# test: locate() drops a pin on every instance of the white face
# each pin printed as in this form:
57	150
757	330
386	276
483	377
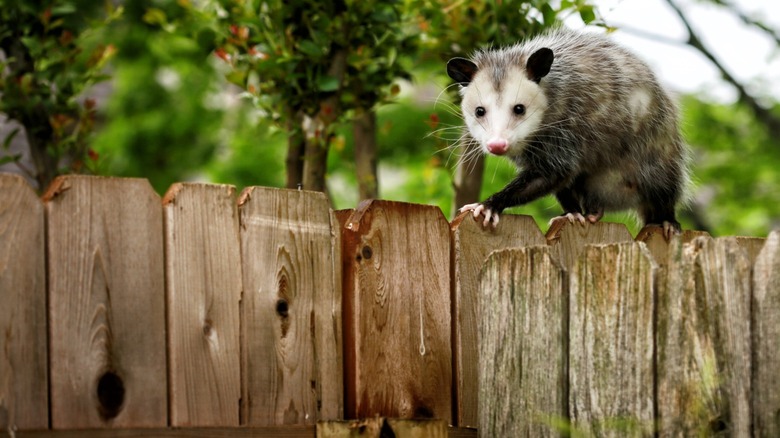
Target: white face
502	120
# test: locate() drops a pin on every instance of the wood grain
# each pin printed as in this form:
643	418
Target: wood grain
291	308
568	240
106	303
766	339
653	237
203	283
471	245
397	312
703	338
611	341
522	344
24	400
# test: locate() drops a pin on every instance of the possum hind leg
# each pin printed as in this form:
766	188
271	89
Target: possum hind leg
657	208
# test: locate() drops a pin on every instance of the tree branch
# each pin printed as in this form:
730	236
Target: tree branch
762	114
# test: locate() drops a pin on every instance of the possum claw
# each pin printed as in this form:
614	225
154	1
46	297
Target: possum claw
476	209
571	218
671	229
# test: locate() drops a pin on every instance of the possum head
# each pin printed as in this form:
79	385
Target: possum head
503	103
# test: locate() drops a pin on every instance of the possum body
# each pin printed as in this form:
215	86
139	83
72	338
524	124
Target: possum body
582	118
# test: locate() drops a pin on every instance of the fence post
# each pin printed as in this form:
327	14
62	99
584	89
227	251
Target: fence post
106	303
397	312
291	308
471	245
24	402
611	340
522	344
203	290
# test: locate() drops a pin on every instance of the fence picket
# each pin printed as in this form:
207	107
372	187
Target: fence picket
203	282
397	312
522	344
611	340
106	303
766	339
24	400
568	240
471	245
291	308
703	339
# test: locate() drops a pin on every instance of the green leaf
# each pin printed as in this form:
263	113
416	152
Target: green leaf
9	138
309	48
587	14
10	159
328	83
549	14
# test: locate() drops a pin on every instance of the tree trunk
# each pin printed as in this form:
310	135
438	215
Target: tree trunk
315	157
364	129
296	144
468	180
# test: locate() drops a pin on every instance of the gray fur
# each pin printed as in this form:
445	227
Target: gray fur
608	126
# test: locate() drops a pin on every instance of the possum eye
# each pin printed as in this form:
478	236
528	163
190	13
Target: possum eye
519	109
480	111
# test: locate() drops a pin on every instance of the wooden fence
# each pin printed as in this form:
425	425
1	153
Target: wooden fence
268	312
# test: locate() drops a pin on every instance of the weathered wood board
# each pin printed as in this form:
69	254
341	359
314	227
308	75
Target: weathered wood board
522	343
766	339
471	245
611	341
569	240
24	400
291	308
203	284
397	312
653	237
106	303
703	340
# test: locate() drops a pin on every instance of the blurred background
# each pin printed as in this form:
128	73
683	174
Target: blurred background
351	97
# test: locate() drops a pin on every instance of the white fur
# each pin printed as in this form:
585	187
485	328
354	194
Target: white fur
500	122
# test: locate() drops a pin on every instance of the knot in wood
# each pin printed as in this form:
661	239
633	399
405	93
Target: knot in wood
282	308
366	252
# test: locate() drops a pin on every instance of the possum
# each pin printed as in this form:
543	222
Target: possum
582	118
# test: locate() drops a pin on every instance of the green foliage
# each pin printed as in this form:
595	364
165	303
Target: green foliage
284	53
51	56
735	168
165	113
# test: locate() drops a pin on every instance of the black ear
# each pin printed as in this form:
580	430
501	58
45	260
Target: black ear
462	70
539	63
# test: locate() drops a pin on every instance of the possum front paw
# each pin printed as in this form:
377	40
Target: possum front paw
491	217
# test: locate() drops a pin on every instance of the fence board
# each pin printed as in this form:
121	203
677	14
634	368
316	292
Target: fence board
569	240
522	335
611	341
471	244
291	308
203	279
397	312
24	400
703	340
653	237
106	303
766	339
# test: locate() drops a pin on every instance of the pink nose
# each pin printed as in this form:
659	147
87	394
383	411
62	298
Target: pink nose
497	146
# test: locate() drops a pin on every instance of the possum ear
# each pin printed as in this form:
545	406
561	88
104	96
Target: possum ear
539	63
461	69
